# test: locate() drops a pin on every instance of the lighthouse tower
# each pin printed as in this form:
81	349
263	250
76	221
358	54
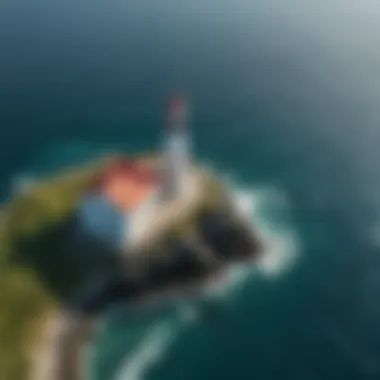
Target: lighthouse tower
176	148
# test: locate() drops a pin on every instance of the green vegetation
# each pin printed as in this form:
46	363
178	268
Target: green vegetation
32	272
22	302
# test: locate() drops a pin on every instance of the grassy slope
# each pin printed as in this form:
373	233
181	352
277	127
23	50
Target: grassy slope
25	294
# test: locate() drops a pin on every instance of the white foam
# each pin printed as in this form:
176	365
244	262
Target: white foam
22	183
260	204
150	351
282	245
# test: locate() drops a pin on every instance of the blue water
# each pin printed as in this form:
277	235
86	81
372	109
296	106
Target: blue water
285	96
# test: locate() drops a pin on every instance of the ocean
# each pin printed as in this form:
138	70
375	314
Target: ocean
285	104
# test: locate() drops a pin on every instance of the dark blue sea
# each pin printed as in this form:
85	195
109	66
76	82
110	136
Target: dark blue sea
286	102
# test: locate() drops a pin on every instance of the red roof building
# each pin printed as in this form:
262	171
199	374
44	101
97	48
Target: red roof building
128	183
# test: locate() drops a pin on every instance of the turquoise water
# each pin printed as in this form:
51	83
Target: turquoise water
285	98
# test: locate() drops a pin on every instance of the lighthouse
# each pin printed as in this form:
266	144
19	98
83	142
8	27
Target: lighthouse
176	148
